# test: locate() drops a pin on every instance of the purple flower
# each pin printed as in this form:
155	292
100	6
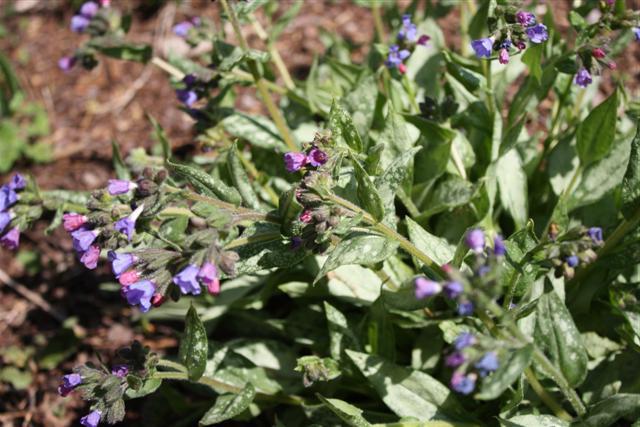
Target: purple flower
182	29
537	33
482	270
208	275
426	288
69	382
594	232
455	359
17	182
317	157
475	240
187	280
296	242
636	33
464	340
463	384
120	371
499	249
186	96
79	23
583	78
503	56
73	221
8	197
409	31
66	63
121	262
396	56
423	39
83	239
294	161
140	294
119	186
482	47
89	9
11	240
487	363
127	225
452	289
90	257
572	261
190	80
5	219
465	308
92	419
525	19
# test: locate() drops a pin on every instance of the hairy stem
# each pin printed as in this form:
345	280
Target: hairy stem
275	55
377	21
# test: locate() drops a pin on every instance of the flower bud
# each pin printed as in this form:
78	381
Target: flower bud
227	262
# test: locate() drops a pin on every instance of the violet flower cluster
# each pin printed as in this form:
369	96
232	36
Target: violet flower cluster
519	29
458	286
79	24
470	361
407	40
10	235
577	247
182	29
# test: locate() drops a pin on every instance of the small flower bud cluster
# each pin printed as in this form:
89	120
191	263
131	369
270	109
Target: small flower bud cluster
470	360
575	248
88	14
457	288
10	235
313	157
408	39
105	388
519	27
193	90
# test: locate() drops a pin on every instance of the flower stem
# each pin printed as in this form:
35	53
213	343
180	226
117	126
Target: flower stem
274	112
377	20
173	365
275	54
545	396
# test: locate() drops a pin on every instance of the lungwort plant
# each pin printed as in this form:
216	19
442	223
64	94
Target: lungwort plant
432	237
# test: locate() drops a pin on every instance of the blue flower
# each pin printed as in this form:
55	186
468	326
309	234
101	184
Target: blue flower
69	382
487	363
182	29
464	340
409	31
463	384
116	187
140	294
572	261
499	249
465	308
186	96
583	78
453	289
8	197
5	219
636	33
426	288
92	419
455	359
187	280
537	33
396	56
79	23
482	47
127	225
475	240
121	262
17	182
595	233
83	239
11	240
89	9
525	19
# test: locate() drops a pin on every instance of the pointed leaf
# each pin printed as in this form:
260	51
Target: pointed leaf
228	406
194	346
348	413
597	131
509	371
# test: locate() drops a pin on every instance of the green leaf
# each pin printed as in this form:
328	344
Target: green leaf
534	421
343	129
149	386
382	338
194	346
19	379
557	336
532	58
388	183
631	181
606	412
367	192
437	248
161	136
205	183
409	393
508	372
597	132
11	145
228	406
117	47
341	336
241	179
122	172
512	182
348	413
259	131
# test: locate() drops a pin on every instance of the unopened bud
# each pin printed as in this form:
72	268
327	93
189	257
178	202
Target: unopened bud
227	262
146	187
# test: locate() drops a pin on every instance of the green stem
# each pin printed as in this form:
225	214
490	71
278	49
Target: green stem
256	238
274	112
173	365
377	21
275	54
164	65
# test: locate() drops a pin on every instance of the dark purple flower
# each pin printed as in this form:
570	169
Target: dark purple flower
17	182
90	257
83	239
475	240
119	186
487	363
120	371
525	19
636	33
583	77
92	419
396	56
465	308
127	225
572	261
66	63
505	44
182	29
499	249
452	289
455	359
186	96
69	382
140	294
208	275
537	33
482	47
121	262
187	280
503	56
463	384
464	340
409	31
11	240
8	197
423	39
426	288
317	157
296	242
73	221
89	9
5	220
294	161
520	44
595	233
79	23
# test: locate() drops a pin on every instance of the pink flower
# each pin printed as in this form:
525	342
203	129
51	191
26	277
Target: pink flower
73	221
306	216
129	277
90	257
503	57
